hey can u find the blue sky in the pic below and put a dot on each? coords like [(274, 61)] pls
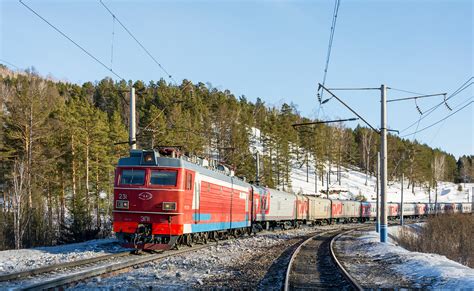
[(274, 50)]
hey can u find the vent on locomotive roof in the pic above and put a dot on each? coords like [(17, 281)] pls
[(204, 163), (171, 152)]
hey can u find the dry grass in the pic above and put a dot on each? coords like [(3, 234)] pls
[(451, 235)]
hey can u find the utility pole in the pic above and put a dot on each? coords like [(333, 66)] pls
[(383, 143), (383, 166), (257, 166), (377, 218), (133, 128), (401, 203)]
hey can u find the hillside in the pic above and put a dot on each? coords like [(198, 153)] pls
[(353, 183)]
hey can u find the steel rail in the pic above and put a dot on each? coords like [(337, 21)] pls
[(51, 268), (344, 272), (293, 257), (346, 275), (104, 269)]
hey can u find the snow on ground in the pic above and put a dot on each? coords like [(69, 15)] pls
[(256, 262), (26, 259), (378, 265)]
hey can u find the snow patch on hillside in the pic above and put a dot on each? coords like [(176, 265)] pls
[(353, 182)]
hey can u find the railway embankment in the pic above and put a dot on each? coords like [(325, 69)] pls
[(378, 265)]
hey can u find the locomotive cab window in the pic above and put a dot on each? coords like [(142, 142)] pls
[(132, 177), (163, 178)]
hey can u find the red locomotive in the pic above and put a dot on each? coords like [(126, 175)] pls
[(161, 201)]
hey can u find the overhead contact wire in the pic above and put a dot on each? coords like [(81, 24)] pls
[(328, 56), (139, 43), (441, 120), (71, 40), (463, 87)]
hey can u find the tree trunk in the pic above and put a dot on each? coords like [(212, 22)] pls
[(307, 168), (62, 201), (50, 215), (97, 191), (73, 155), (87, 176)]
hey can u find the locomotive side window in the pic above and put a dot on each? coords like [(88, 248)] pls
[(132, 177), (163, 178)]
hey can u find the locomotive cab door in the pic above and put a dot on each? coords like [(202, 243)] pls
[(197, 198)]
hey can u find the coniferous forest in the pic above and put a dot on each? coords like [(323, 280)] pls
[(59, 143)]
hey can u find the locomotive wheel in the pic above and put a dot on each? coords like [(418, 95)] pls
[(188, 240), (204, 238)]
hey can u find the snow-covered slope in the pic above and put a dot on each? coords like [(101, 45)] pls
[(386, 265), (353, 183)]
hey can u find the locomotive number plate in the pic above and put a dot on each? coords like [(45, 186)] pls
[(145, 218)]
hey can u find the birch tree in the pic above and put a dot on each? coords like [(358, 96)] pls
[(17, 200)]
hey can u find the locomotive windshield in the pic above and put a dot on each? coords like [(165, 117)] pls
[(163, 178), (132, 177)]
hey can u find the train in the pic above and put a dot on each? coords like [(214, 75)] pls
[(164, 200)]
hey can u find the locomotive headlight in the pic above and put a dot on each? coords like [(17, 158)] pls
[(169, 206), (121, 204)]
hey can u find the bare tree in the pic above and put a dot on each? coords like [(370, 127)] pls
[(437, 166), (17, 198), (367, 138)]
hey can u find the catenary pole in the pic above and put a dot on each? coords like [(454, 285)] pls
[(377, 218), (401, 203), (383, 165), (132, 130), (257, 166)]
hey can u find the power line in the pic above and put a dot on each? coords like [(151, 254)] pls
[(331, 38), (139, 43), (405, 91), (112, 44), (71, 40), (441, 120), (8, 63), (328, 56), (463, 87), (441, 125)]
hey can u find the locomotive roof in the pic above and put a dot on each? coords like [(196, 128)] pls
[(136, 158)]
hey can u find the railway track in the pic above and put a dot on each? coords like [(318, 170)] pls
[(58, 267), (314, 265), (68, 273)]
